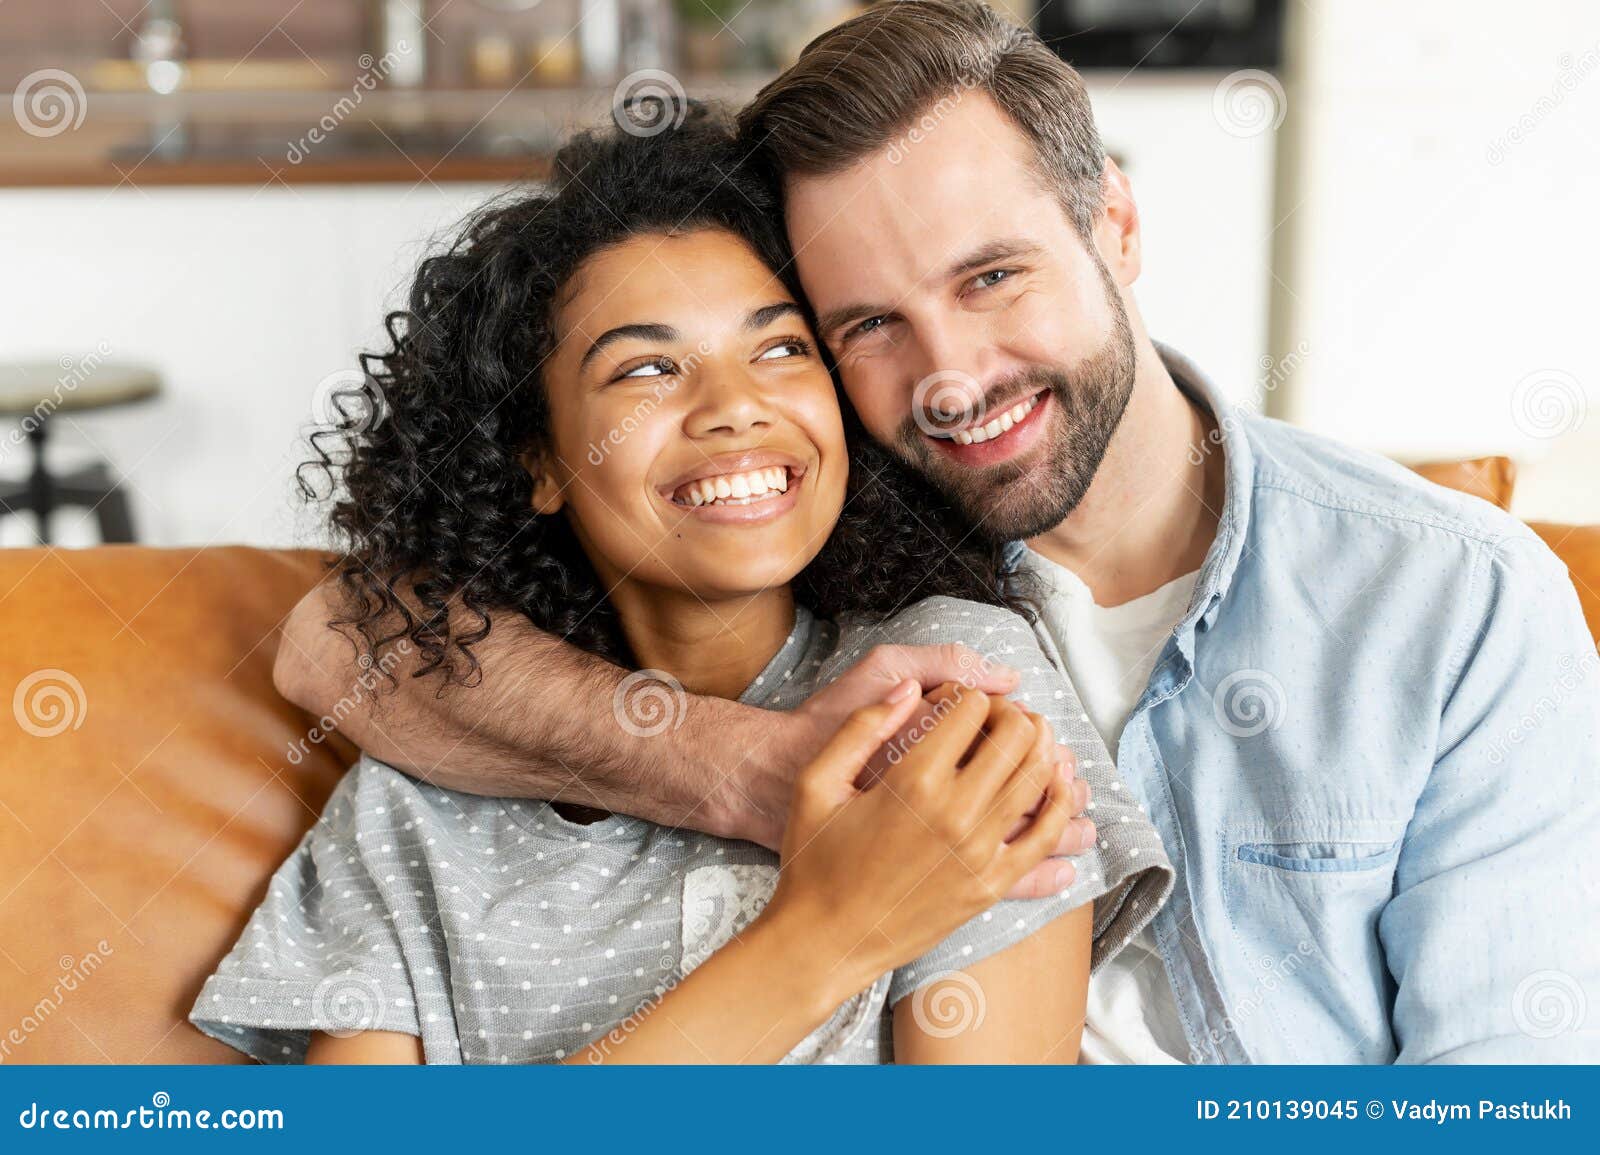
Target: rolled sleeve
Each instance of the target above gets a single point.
(321, 953)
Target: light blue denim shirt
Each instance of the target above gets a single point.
(1372, 749)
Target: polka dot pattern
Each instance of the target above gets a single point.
(499, 931)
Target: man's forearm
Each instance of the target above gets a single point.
(545, 720)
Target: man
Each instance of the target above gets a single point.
(1362, 711)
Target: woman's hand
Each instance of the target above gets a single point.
(871, 878)
(879, 876)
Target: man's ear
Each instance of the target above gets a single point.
(547, 491)
(1118, 233)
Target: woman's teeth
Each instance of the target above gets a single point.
(999, 425)
(735, 488)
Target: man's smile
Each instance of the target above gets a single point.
(997, 439)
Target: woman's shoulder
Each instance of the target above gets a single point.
(940, 620)
(374, 797)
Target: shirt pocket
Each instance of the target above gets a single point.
(1303, 907)
(1320, 857)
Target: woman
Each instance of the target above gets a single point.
(604, 409)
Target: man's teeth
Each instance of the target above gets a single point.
(735, 488)
(995, 428)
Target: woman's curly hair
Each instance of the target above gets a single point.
(429, 499)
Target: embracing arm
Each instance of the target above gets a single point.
(551, 721)
(539, 724)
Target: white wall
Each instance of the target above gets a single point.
(1202, 177)
(244, 299)
(1441, 235)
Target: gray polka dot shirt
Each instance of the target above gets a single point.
(498, 931)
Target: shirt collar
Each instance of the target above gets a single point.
(1238, 465)
(1229, 439)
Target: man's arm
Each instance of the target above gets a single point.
(548, 720)
(1491, 932)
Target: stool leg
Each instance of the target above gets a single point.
(41, 487)
(116, 522)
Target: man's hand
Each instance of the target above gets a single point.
(808, 729)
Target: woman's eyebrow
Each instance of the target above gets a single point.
(643, 331)
(764, 316)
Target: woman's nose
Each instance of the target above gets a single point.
(727, 403)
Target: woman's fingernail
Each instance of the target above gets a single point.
(903, 691)
(1089, 833)
(1064, 875)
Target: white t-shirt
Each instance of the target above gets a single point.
(1109, 653)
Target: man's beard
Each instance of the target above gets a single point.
(1010, 501)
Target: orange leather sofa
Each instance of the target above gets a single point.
(147, 786)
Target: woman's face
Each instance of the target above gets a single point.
(696, 441)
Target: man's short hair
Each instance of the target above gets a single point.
(887, 77)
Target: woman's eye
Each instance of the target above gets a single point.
(657, 368)
(784, 349)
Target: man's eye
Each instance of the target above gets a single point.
(991, 278)
(871, 324)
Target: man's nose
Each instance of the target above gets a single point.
(948, 382)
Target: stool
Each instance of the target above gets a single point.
(33, 393)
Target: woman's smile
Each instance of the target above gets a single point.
(747, 487)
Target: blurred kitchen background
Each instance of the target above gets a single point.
(1380, 220)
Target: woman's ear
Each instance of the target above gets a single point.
(547, 491)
